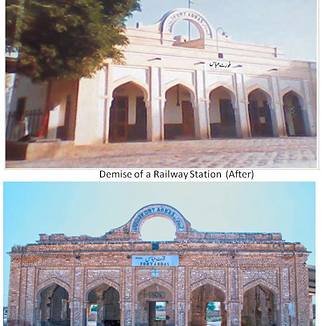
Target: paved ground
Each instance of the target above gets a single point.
(223, 153)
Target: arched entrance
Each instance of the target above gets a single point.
(155, 306)
(53, 306)
(208, 306)
(128, 114)
(179, 119)
(259, 307)
(294, 120)
(103, 306)
(260, 113)
(221, 113)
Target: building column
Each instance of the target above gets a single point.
(77, 301)
(284, 296)
(233, 298)
(30, 287)
(90, 117)
(14, 292)
(242, 107)
(128, 304)
(308, 115)
(302, 291)
(201, 111)
(279, 128)
(155, 121)
(181, 315)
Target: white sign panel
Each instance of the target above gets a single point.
(159, 261)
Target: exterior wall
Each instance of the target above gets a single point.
(39, 99)
(154, 63)
(62, 122)
(19, 86)
(233, 275)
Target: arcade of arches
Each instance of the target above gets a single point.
(135, 101)
(197, 279)
(130, 115)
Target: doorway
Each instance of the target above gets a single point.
(119, 119)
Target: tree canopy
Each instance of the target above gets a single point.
(66, 38)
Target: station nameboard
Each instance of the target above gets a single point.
(156, 261)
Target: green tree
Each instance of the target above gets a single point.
(66, 39)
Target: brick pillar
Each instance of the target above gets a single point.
(233, 298)
(201, 108)
(155, 122)
(181, 305)
(302, 291)
(242, 107)
(14, 292)
(285, 296)
(77, 301)
(30, 287)
(128, 313)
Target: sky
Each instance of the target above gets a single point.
(95, 208)
(289, 25)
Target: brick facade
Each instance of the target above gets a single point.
(231, 262)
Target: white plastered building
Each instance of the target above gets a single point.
(170, 87)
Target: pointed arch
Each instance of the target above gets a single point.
(260, 303)
(151, 282)
(295, 90)
(217, 85)
(53, 281)
(167, 86)
(101, 281)
(179, 114)
(222, 117)
(207, 293)
(293, 109)
(256, 87)
(263, 283)
(133, 81)
(129, 111)
(260, 114)
(52, 302)
(208, 281)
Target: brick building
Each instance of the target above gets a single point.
(199, 278)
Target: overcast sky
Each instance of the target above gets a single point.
(288, 24)
(95, 208)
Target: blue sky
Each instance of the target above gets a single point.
(95, 208)
(287, 24)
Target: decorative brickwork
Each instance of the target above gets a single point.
(228, 264)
